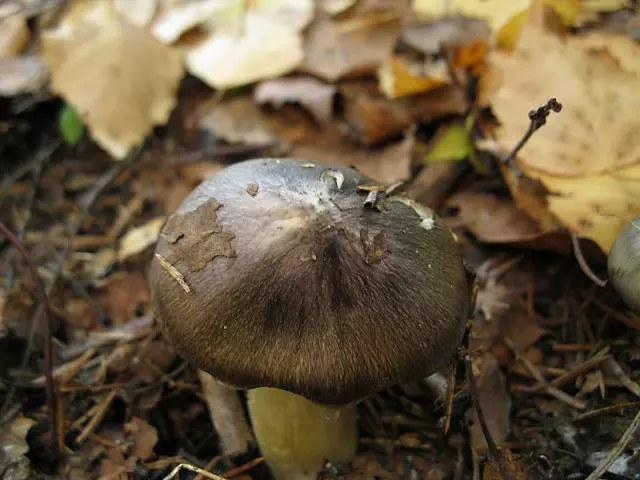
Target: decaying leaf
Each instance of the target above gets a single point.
(175, 18)
(139, 238)
(145, 435)
(493, 219)
(257, 46)
(494, 400)
(237, 120)
(588, 156)
(120, 79)
(312, 94)
(431, 37)
(196, 237)
(139, 13)
(334, 49)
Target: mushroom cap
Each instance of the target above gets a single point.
(274, 273)
(623, 264)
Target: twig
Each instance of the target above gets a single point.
(544, 385)
(537, 119)
(193, 468)
(616, 369)
(243, 468)
(491, 444)
(584, 266)
(57, 437)
(450, 393)
(609, 409)
(617, 450)
(28, 166)
(101, 411)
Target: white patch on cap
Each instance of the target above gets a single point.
(337, 175)
(427, 217)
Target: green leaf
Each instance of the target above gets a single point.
(452, 143)
(70, 125)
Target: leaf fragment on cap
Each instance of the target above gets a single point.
(196, 237)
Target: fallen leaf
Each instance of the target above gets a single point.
(603, 5)
(515, 464)
(120, 79)
(334, 49)
(312, 94)
(429, 106)
(24, 74)
(587, 156)
(452, 143)
(372, 118)
(492, 219)
(115, 465)
(522, 330)
(398, 77)
(496, 13)
(532, 354)
(494, 400)
(176, 18)
(237, 120)
(260, 49)
(124, 296)
(14, 463)
(145, 438)
(138, 239)
(431, 37)
(14, 36)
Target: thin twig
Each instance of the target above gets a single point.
(537, 119)
(584, 266)
(57, 437)
(617, 450)
(193, 468)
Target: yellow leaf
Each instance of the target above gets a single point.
(119, 78)
(603, 5)
(451, 144)
(14, 36)
(398, 79)
(594, 206)
(496, 12)
(588, 155)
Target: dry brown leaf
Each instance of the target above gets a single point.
(237, 120)
(14, 464)
(492, 219)
(120, 79)
(587, 156)
(122, 295)
(334, 48)
(139, 13)
(522, 330)
(516, 466)
(372, 118)
(145, 435)
(14, 36)
(494, 400)
(312, 94)
(115, 465)
(386, 164)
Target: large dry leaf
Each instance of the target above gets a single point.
(587, 156)
(120, 79)
(14, 36)
(261, 49)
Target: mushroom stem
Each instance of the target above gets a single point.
(297, 437)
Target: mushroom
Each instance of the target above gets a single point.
(313, 288)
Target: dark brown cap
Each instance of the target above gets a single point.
(303, 276)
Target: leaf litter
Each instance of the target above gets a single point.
(433, 102)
